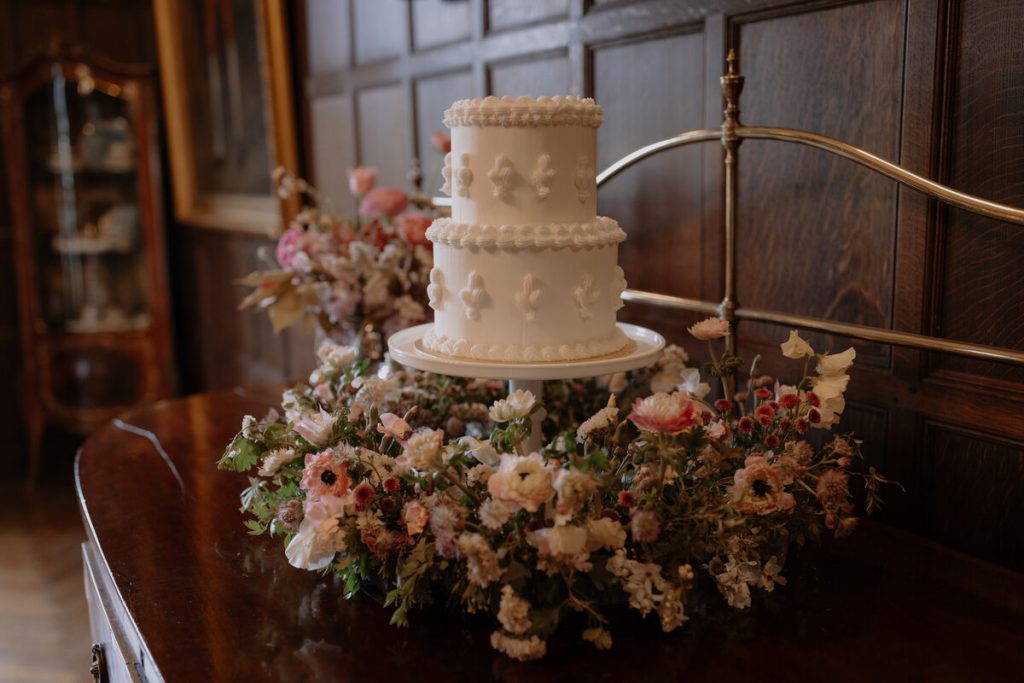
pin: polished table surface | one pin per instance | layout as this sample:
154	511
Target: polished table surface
212	603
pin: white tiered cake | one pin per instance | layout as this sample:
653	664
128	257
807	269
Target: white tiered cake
524	270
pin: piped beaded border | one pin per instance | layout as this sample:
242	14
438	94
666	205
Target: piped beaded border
524	112
600	232
514	353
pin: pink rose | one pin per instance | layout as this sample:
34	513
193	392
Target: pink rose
413	225
661	412
384	201
361	180
288	245
441	142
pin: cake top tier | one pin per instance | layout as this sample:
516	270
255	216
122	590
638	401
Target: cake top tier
524	112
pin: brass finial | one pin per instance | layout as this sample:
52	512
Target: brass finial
731	61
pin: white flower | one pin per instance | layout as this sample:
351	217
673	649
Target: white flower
642	582
522	482
671	612
394	426
670	366
479	474
481	560
320	535
514	612
423	447
482	451
836	364
573	488
559	542
316	429
273	460
605	533
523	649
334	357
518	404
248	425
614	383
292	408
602	419
381	394
710	328
493	514
601	639
796	347
692	385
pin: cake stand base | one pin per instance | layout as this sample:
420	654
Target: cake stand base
645	347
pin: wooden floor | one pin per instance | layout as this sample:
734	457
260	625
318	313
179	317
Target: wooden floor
44	624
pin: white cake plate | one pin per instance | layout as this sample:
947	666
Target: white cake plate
645	347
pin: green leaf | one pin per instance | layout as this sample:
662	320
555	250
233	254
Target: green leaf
241	455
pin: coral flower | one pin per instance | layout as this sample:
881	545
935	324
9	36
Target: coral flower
324	475
441	142
757	488
361	180
384	201
711	328
661	412
789	401
413	226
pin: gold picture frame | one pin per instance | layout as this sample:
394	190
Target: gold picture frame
227	97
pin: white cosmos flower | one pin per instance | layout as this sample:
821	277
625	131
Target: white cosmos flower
518	404
692	385
320	535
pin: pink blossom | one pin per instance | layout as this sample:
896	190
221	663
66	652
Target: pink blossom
645	526
413	226
384	201
757	488
361	180
441	142
394	426
665	413
414	517
833	487
324	475
289	244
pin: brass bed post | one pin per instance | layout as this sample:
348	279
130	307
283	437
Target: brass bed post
732	85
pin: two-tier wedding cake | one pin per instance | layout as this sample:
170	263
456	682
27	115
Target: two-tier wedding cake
524	270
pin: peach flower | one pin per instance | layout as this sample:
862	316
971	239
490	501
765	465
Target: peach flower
757	488
413	226
441	142
710	328
667	413
384	201
361	180
324	475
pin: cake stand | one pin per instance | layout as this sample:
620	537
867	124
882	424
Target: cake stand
645	346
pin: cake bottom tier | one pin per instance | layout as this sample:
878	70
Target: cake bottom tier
530	353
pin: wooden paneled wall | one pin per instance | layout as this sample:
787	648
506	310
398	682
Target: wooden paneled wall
936	85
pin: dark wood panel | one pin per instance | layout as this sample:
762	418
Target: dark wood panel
503	14
439	22
328	35
433	96
972	493
384	135
816	233
331	124
380	29
548	76
981	273
650	90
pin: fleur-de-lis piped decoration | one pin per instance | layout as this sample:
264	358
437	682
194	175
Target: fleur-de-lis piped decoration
464	176
619	286
527	296
435	290
584	179
585	296
502	177
473	295
542	176
446	171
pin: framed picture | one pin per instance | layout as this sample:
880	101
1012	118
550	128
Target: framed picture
227	92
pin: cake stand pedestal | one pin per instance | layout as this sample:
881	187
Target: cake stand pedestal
645	346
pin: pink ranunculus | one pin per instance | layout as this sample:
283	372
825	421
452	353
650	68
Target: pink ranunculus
441	142
413	226
289	244
384	201
361	180
667	413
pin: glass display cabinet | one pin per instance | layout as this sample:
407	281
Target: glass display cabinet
90	255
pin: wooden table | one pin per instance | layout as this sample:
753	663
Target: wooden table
180	592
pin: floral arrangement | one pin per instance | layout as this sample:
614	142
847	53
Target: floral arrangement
420	487
359	280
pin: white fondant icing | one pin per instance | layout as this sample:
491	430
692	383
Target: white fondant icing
524	112
446	171
585	295
464	176
584	179
435	290
542	176
529	353
502	177
473	295
619	286
597	233
527	297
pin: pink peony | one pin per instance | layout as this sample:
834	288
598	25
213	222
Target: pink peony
667	413
324	475
361	180
757	488
441	142
711	328
413	226
289	244
384	201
